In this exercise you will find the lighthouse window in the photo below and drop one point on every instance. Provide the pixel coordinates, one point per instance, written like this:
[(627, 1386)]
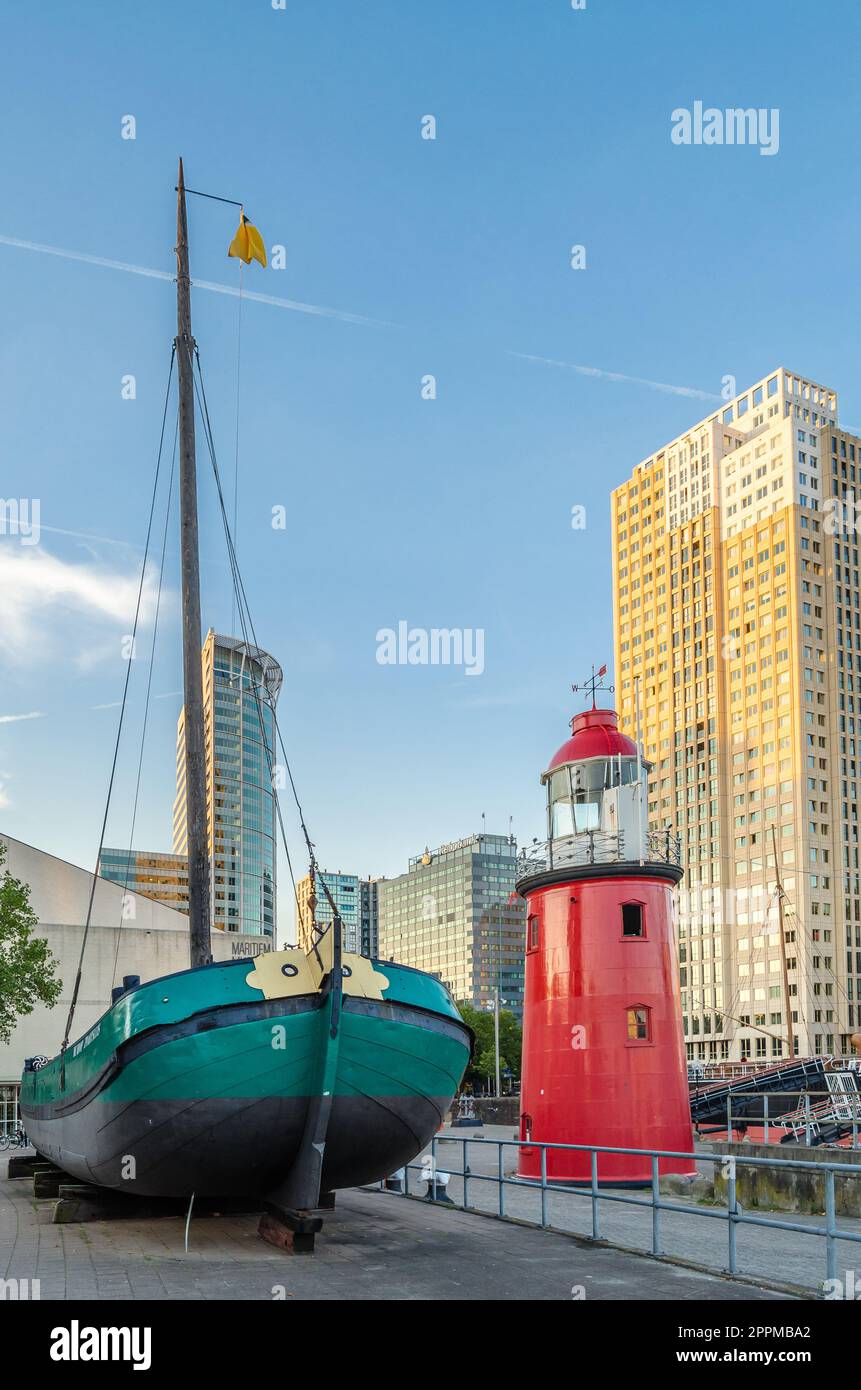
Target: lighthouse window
[(586, 816), (639, 1029), (532, 939), (632, 919)]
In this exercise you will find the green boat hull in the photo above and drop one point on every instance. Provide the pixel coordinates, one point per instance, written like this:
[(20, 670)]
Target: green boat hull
[(194, 1083)]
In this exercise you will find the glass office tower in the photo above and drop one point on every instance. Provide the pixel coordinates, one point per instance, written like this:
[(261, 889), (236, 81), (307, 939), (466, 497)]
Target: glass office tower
[(344, 889), (150, 873), (241, 684), (454, 915)]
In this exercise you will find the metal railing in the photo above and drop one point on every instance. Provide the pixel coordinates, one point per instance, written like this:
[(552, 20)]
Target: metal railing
[(725, 1070), (597, 847), (815, 1113), (733, 1215)]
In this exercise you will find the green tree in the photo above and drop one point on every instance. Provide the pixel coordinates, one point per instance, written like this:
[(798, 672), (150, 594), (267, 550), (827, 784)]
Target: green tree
[(27, 966), (483, 1064)]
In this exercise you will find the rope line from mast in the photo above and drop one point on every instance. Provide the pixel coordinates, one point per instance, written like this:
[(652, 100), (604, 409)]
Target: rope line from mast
[(148, 687), (95, 879), (245, 612), (239, 594)]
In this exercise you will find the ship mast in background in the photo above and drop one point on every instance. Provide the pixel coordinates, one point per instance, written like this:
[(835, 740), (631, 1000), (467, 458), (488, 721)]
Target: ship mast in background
[(200, 945)]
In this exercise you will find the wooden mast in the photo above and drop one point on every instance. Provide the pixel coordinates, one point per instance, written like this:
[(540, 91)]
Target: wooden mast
[(195, 765)]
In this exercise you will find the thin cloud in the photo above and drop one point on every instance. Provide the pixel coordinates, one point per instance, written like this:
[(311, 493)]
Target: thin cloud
[(296, 305), (16, 718), (690, 392), (50, 607), (115, 704)]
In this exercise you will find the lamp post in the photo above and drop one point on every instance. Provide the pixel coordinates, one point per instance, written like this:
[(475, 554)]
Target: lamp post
[(493, 1006)]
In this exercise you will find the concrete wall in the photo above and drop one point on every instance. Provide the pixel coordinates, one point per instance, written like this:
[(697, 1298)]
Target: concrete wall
[(129, 935), (791, 1189)]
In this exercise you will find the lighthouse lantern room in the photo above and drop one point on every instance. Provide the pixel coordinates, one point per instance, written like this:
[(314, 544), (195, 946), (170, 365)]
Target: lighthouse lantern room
[(603, 1050)]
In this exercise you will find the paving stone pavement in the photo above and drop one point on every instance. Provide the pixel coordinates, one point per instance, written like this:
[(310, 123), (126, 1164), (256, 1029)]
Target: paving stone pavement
[(376, 1247), (776, 1256)]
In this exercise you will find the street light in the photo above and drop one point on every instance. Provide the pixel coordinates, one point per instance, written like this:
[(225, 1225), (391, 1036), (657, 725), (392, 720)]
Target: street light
[(493, 1007)]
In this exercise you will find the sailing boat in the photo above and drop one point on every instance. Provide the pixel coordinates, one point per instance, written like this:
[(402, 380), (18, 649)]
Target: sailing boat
[(282, 1079)]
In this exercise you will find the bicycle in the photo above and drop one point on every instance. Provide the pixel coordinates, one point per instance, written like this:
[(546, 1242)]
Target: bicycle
[(15, 1140)]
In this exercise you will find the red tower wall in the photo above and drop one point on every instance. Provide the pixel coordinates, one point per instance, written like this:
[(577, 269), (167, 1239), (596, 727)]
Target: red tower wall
[(584, 1081)]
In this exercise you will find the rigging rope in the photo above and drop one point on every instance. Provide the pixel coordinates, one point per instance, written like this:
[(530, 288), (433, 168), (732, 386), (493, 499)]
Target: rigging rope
[(200, 392), (148, 687), (95, 879), (245, 612)]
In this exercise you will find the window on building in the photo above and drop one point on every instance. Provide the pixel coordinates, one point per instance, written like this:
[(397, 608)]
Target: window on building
[(532, 934), (639, 1024), (633, 923)]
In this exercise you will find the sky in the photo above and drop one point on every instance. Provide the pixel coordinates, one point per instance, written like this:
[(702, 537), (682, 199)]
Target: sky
[(405, 258)]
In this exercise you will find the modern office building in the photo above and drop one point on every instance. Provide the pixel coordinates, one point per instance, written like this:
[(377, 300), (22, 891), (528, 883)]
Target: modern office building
[(369, 916), (240, 690), (454, 915), (163, 877), (737, 611), (345, 893)]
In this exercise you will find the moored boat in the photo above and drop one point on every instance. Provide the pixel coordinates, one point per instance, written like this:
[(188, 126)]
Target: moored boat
[(202, 1081), (306, 1071)]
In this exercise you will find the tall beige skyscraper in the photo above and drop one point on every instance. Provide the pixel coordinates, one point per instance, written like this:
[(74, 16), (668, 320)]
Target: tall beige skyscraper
[(737, 614)]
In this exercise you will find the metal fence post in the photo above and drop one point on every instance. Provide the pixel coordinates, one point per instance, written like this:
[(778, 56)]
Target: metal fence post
[(596, 1213), (732, 1209), (656, 1211), (765, 1099), (500, 1174), (830, 1227), (464, 1163), (807, 1118), (543, 1187)]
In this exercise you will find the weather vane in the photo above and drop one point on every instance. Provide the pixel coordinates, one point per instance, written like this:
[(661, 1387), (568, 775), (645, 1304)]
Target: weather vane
[(593, 683)]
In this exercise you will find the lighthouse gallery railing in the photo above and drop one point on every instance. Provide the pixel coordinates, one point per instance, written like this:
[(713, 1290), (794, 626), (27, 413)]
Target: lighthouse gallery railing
[(597, 847)]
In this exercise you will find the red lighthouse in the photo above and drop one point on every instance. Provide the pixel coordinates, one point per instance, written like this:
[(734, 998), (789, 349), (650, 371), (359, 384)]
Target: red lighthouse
[(603, 1051)]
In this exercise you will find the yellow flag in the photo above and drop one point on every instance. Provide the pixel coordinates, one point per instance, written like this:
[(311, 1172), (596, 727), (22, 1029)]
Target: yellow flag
[(248, 243)]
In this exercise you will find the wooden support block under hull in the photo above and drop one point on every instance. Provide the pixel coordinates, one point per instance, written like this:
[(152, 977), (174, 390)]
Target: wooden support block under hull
[(85, 1202), (24, 1165), (291, 1231), (46, 1181)]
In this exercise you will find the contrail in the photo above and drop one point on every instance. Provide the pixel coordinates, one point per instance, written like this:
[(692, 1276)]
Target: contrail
[(151, 274), (85, 536), (16, 718), (689, 391)]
